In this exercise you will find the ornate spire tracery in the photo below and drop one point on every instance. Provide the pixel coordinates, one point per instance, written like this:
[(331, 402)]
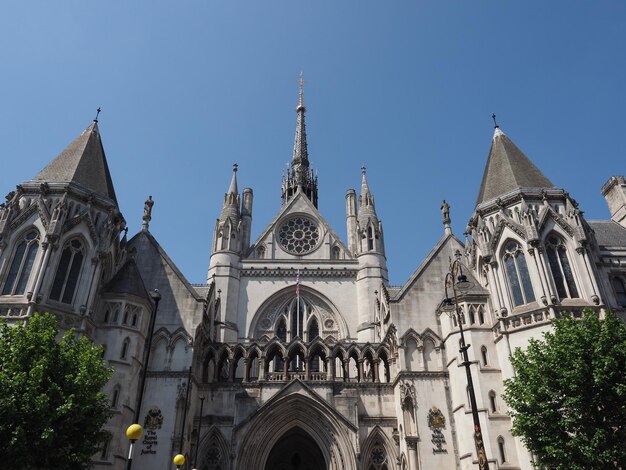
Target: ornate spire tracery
[(299, 176)]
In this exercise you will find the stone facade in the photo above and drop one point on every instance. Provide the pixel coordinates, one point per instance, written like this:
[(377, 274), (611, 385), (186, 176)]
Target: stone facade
[(298, 351)]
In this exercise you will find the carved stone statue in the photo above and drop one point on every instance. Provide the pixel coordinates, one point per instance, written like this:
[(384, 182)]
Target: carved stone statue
[(147, 213), (445, 212)]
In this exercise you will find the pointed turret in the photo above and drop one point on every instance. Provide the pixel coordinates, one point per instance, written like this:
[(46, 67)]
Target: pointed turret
[(370, 248), (366, 200), (299, 176), (368, 226), (508, 169), (83, 162), (228, 226), (231, 200)]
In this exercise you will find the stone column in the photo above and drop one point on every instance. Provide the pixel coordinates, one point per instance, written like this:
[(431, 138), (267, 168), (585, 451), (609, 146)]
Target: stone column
[(375, 366), (286, 368), (262, 368), (246, 370), (411, 443)]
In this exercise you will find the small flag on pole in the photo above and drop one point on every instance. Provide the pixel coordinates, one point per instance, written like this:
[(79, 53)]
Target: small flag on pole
[(298, 284)]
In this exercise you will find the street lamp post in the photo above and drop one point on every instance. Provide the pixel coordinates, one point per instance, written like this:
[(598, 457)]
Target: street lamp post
[(155, 295), (457, 280), (195, 460)]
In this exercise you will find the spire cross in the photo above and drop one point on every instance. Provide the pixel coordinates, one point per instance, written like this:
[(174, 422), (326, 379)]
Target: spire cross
[(495, 124), (97, 114), (235, 166), (363, 169)]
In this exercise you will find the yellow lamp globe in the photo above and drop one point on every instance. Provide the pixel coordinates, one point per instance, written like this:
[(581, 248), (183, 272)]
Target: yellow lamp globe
[(179, 460), (134, 432)]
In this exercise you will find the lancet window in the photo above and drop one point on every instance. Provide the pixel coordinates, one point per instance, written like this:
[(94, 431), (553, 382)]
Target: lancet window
[(516, 269), (22, 264), (561, 268), (68, 271), (313, 329)]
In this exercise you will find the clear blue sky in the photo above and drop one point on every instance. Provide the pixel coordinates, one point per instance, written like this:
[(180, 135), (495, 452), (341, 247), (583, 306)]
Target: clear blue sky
[(405, 87)]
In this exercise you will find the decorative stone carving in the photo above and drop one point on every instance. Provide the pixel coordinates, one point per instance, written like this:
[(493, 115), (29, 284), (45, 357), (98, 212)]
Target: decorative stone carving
[(437, 422), (407, 392), (154, 419)]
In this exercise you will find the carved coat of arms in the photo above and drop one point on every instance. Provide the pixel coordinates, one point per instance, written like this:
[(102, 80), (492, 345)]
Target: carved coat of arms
[(154, 419)]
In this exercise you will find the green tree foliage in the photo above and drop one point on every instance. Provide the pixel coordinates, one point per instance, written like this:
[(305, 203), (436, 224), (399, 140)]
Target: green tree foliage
[(568, 398), (52, 409)]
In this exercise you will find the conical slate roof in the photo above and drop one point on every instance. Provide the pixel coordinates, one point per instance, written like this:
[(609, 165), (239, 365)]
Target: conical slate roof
[(82, 162), (508, 169), (127, 281)]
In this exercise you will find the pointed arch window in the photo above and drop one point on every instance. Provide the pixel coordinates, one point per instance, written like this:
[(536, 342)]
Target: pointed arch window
[(517, 274), (370, 238), (484, 356), (472, 316), (313, 329), (502, 449), (116, 396), (620, 291), (561, 268), (481, 315), (125, 346), (492, 402), (22, 264), (68, 271), (260, 252), (281, 330)]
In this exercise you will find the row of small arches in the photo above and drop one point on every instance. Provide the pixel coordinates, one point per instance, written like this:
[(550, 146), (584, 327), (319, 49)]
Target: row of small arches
[(275, 361)]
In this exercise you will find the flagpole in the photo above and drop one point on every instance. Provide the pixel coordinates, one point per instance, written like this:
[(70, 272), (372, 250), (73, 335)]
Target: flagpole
[(298, 313)]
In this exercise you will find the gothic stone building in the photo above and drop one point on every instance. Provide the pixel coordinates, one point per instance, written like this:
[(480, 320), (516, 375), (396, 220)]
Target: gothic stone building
[(299, 353)]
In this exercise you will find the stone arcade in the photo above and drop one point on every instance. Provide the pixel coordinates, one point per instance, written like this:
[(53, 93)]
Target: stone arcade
[(304, 355)]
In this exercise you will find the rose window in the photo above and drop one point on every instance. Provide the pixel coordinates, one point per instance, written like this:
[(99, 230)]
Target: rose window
[(299, 235)]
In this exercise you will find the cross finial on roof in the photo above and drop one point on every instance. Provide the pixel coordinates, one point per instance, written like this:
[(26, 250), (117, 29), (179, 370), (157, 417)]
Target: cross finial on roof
[(363, 169), (97, 114), (235, 166), (495, 124)]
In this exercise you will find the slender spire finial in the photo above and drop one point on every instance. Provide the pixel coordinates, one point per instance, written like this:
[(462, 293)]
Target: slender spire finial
[(147, 213), (97, 114), (235, 167), (363, 170), (301, 97), (495, 124)]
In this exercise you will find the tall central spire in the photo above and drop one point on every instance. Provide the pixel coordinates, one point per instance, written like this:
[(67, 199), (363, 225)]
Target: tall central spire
[(300, 150), (299, 176)]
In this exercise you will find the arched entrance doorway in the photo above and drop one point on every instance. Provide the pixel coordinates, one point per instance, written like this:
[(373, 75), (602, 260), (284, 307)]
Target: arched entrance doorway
[(296, 450)]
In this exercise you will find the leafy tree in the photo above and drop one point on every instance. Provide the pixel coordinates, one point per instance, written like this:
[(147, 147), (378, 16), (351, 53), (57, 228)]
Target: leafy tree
[(568, 398), (52, 409)]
